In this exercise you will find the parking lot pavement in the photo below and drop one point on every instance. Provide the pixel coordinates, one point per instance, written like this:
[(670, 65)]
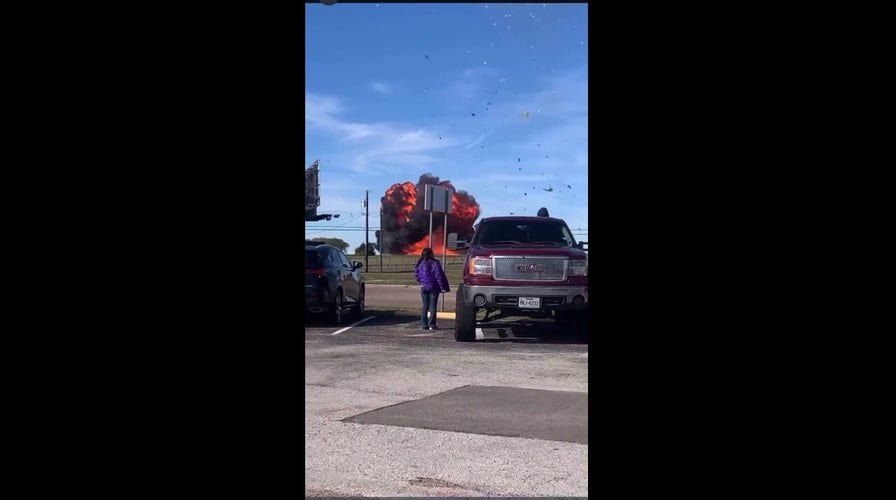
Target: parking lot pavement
[(405, 295), (449, 439)]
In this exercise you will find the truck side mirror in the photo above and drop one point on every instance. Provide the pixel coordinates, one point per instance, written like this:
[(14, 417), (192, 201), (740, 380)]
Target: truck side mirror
[(583, 245), (454, 243)]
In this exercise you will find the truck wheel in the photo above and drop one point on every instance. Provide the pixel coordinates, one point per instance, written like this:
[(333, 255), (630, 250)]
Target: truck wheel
[(465, 318), (574, 321), (563, 320), (580, 322)]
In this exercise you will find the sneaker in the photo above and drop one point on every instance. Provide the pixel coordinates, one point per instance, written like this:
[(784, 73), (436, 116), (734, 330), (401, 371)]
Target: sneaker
[(433, 327), (425, 327)]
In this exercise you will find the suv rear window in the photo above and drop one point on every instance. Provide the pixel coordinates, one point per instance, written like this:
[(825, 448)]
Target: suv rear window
[(312, 258)]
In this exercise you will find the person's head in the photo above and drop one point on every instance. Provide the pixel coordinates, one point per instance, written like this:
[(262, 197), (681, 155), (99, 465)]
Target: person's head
[(426, 254), (543, 212)]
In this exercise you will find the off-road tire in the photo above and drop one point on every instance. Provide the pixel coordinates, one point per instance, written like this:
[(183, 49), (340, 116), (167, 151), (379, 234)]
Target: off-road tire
[(574, 321), (465, 318), (580, 326)]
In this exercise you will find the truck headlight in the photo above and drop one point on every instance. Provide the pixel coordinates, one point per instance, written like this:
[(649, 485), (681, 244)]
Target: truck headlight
[(480, 266), (578, 267)]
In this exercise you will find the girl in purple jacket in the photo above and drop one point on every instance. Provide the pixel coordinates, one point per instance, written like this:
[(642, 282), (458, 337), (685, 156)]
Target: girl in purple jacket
[(432, 281)]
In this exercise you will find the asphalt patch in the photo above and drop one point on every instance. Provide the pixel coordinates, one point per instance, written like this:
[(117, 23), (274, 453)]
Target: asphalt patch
[(493, 411)]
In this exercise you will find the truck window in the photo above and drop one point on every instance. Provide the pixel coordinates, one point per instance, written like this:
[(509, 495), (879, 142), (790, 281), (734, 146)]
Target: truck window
[(526, 232)]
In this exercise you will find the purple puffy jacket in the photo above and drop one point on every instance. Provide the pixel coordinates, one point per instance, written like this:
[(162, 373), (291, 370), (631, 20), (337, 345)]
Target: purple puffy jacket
[(431, 276)]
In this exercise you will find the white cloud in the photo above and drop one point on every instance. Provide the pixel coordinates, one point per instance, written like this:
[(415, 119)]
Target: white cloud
[(381, 88), (377, 146), (552, 142), (320, 112), (477, 141)]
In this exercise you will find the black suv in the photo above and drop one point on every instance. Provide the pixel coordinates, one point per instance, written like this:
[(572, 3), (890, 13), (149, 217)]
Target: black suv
[(332, 284)]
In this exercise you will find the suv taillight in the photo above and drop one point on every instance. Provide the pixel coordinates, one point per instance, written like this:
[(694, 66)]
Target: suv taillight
[(317, 271), (480, 266), (578, 267)]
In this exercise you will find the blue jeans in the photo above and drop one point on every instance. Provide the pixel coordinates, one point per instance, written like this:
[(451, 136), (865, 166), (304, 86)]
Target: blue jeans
[(430, 299)]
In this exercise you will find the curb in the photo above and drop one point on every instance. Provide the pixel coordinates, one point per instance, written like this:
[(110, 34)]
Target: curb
[(445, 315)]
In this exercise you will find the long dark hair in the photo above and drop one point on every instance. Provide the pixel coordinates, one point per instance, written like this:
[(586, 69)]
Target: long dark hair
[(426, 254)]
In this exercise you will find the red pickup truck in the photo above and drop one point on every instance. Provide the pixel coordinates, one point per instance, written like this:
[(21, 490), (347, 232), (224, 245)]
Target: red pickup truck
[(522, 266)]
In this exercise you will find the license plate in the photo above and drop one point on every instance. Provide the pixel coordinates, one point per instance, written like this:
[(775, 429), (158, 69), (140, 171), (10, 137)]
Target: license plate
[(530, 302)]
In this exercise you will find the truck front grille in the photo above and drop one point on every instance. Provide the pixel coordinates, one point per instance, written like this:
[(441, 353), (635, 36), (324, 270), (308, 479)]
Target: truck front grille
[(530, 268)]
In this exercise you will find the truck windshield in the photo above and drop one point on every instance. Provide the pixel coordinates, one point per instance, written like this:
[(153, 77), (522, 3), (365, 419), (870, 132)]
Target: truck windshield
[(534, 232)]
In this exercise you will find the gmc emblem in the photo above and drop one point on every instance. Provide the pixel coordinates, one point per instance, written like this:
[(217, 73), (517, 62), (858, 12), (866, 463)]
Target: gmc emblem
[(529, 268)]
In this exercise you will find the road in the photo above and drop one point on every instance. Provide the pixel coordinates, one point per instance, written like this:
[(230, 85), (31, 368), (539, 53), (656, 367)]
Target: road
[(403, 295), (393, 410)]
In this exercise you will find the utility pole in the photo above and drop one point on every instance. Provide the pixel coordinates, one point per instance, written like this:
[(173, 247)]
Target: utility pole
[(379, 242), (366, 228)]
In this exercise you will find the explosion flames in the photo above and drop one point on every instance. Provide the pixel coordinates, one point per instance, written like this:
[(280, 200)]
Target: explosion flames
[(406, 223)]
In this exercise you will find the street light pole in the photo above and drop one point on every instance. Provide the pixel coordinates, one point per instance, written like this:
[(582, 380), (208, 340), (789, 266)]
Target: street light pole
[(366, 227)]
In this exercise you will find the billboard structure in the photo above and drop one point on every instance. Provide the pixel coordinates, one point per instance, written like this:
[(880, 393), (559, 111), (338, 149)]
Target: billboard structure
[(312, 193), (312, 190)]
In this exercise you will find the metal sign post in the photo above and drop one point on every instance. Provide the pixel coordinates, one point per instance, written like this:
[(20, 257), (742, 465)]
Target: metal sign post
[(439, 199), (427, 205)]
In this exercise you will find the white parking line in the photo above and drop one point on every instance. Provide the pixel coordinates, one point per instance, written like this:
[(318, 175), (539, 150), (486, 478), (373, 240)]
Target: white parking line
[(349, 327), (479, 334)]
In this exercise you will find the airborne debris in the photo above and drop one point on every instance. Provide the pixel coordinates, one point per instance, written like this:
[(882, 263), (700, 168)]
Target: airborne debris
[(474, 114), (570, 187), (548, 189), (426, 56), (517, 159)]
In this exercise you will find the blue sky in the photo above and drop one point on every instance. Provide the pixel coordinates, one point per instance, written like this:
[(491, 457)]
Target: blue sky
[(391, 91)]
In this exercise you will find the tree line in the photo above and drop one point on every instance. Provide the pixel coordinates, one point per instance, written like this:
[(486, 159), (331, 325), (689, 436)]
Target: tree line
[(343, 245)]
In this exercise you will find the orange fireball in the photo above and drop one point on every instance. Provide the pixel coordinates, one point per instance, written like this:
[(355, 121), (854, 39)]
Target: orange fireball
[(406, 224)]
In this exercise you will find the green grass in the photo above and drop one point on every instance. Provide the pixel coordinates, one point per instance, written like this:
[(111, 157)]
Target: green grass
[(399, 269), (407, 278)]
